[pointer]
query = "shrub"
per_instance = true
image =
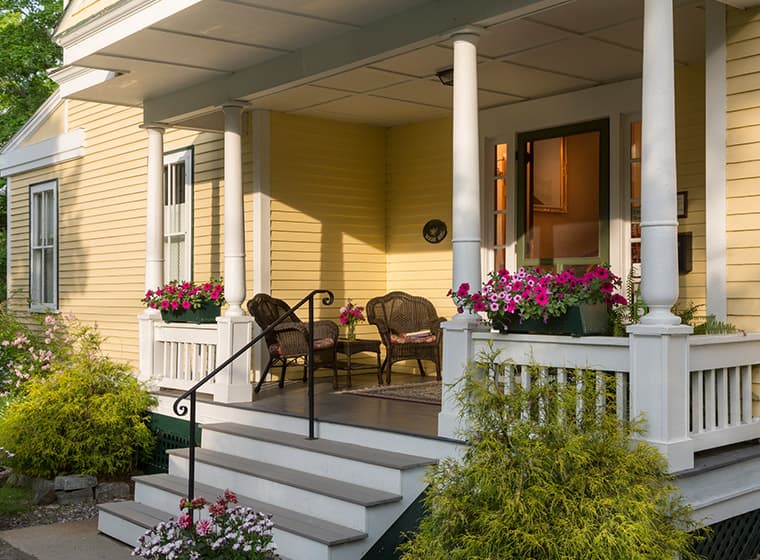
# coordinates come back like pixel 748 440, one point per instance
pixel 89 416
pixel 544 480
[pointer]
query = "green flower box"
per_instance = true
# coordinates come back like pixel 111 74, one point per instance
pixel 207 313
pixel 580 320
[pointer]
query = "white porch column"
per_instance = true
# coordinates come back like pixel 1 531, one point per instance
pixel 233 384
pixel 234 232
pixel 457 333
pixel 466 164
pixel 659 345
pixel 154 248
pixel 659 223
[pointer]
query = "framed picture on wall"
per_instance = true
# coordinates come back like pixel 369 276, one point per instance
pixel 682 204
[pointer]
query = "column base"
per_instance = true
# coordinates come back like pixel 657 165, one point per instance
pixel 680 454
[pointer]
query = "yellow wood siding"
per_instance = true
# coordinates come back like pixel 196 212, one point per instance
pixel 690 157
pixel 743 167
pixel 419 189
pixel 102 209
pixel 328 211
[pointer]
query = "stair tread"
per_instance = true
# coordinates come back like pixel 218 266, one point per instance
pixel 287 520
pixel 352 493
pixel 139 514
pixel 369 455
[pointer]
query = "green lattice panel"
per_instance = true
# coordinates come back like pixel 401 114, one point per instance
pixel 171 433
pixel 737 538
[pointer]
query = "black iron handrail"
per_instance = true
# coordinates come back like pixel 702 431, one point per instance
pixel 182 409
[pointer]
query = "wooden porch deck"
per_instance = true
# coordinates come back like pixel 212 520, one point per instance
pixel 356 410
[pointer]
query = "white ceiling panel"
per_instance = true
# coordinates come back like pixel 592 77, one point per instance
pixel 585 58
pixel 374 110
pixel 433 92
pixel 252 26
pixel 583 16
pixel 355 12
pixel 421 63
pixel 191 51
pixel 516 36
pixel 362 80
pixel 298 98
pixel 513 79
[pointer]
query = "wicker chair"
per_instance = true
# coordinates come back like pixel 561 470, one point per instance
pixel 289 341
pixel 398 315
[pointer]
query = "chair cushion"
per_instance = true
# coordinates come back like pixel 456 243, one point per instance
pixel 403 338
pixel 319 344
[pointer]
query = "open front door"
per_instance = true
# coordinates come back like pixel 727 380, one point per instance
pixel 563 196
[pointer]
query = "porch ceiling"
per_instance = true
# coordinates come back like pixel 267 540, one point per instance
pixel 189 58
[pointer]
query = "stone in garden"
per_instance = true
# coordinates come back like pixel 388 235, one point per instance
pixel 83 495
pixel 75 482
pixel 19 481
pixel 43 491
pixel 112 491
pixel 5 473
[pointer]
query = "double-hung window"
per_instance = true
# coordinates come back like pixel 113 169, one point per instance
pixel 178 215
pixel 43 250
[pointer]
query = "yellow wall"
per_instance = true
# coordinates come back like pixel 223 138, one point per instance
pixel 419 189
pixel 102 267
pixel 743 167
pixel 54 125
pixel 690 159
pixel 328 210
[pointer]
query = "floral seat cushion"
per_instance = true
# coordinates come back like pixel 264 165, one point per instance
pixel 319 344
pixel 412 338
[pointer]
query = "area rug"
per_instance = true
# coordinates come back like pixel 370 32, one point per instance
pixel 428 392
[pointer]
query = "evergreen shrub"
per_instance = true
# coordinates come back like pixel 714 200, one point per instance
pixel 544 478
pixel 87 417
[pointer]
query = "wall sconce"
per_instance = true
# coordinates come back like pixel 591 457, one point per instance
pixel 446 76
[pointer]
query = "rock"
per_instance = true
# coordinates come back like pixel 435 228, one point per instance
pixel 5 473
pixel 82 495
pixel 75 482
pixel 112 491
pixel 43 491
pixel 19 481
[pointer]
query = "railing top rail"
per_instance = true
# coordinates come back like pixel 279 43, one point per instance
pixel 181 409
pixel 717 339
pixel 553 339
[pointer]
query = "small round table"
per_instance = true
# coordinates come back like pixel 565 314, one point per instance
pixel 351 347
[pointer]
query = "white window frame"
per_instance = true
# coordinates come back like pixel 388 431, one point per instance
pixel 36 276
pixel 183 155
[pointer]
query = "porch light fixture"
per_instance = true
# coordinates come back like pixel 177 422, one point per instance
pixel 446 76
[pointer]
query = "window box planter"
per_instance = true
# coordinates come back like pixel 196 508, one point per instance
pixel 580 320
pixel 207 313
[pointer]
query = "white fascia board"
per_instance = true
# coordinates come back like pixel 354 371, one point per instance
pixel 114 24
pixel 48 152
pixel 73 79
pixel 35 121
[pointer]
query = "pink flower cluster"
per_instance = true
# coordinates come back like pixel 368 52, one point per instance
pixel 229 532
pixel 351 314
pixel 534 294
pixel 179 296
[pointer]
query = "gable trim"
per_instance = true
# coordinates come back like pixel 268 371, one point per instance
pixel 58 149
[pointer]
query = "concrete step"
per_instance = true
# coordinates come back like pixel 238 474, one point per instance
pixel 296 534
pixel 128 521
pixel 364 466
pixel 328 498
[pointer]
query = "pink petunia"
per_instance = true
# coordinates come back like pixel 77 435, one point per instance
pixel 463 290
pixel 186 305
pixel 606 288
pixel 174 305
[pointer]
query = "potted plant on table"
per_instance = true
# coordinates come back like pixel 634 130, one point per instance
pixel 532 300
pixel 186 302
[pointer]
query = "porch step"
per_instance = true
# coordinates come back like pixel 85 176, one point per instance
pixel 128 521
pixel 355 464
pixel 287 523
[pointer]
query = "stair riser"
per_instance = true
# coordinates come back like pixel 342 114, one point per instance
pixel 119 529
pixel 303 501
pixel 288 545
pixel 338 468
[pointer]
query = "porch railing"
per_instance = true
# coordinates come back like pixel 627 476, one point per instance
pixel 181 409
pixel 717 381
pixel 185 353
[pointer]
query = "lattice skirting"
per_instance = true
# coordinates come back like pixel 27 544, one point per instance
pixel 737 538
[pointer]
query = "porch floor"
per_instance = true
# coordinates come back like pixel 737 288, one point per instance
pixel 354 410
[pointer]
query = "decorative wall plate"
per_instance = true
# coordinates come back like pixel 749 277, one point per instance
pixel 434 231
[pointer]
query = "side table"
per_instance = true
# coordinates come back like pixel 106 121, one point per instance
pixel 351 347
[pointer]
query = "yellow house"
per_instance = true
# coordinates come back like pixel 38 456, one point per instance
pixel 291 146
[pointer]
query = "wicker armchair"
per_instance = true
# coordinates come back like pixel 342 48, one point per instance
pixel 403 321
pixel 289 341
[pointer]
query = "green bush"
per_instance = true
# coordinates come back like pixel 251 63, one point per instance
pixel 87 417
pixel 543 480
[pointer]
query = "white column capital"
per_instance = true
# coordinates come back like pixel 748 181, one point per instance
pixel 160 127
pixel 471 34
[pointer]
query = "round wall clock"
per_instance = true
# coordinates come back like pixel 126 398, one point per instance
pixel 434 231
